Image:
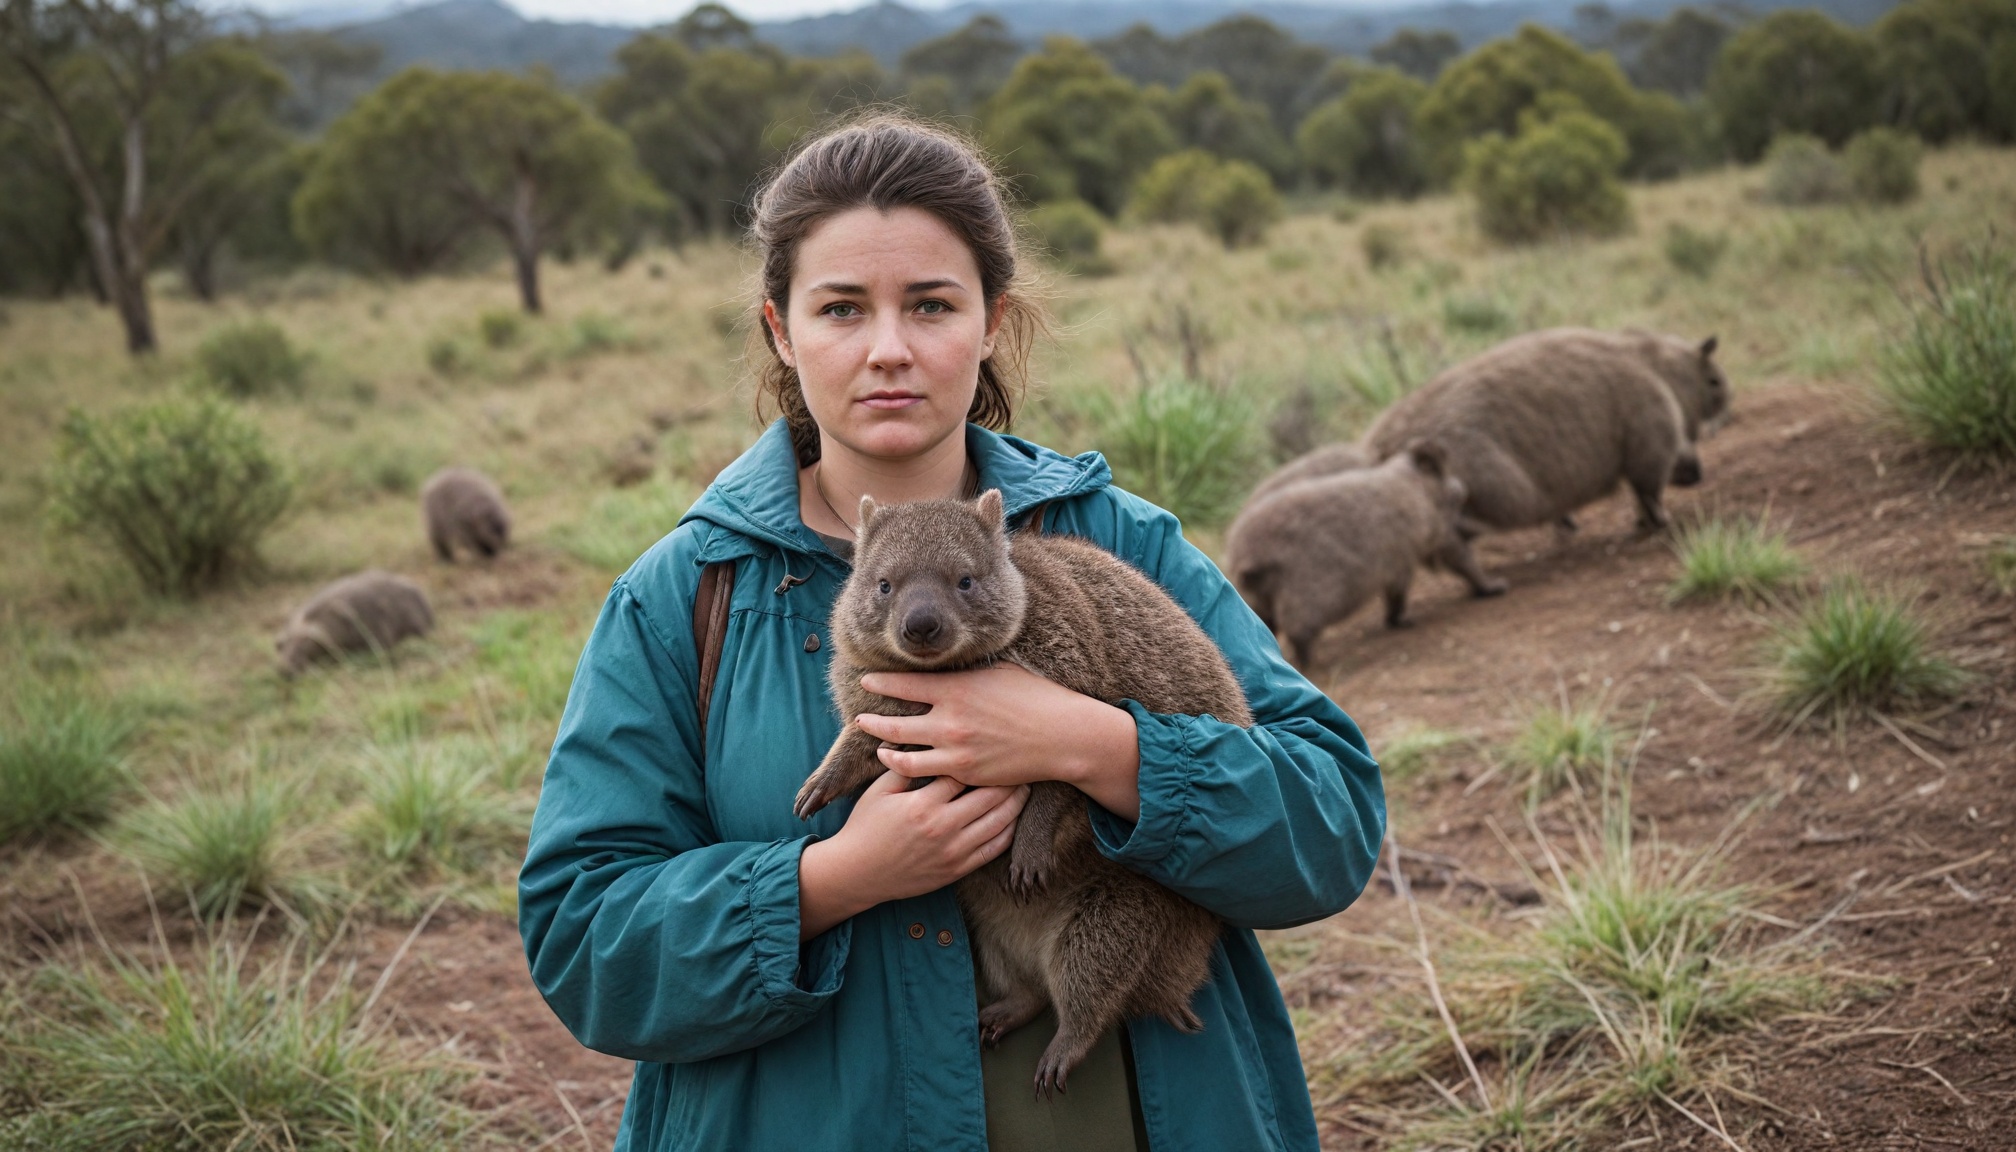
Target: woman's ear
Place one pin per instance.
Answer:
(779, 335)
(995, 315)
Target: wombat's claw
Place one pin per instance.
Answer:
(814, 795)
(1050, 1078)
(1491, 588)
(1025, 883)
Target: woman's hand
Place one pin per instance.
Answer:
(1007, 725)
(899, 843)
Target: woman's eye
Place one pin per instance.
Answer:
(842, 311)
(934, 307)
(883, 587)
(965, 583)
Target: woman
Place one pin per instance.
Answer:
(786, 985)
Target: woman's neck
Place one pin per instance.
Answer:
(841, 477)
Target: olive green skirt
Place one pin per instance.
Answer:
(1101, 1111)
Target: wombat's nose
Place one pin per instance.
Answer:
(1686, 472)
(922, 626)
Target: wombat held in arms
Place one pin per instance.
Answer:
(371, 610)
(940, 585)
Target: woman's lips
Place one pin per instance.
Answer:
(891, 401)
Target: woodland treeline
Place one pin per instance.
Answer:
(143, 136)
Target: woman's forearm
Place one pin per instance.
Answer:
(827, 890)
(1107, 766)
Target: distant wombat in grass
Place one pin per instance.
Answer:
(1310, 554)
(1324, 461)
(1547, 422)
(371, 610)
(939, 586)
(462, 507)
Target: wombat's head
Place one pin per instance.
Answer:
(1430, 462)
(1697, 381)
(300, 645)
(933, 586)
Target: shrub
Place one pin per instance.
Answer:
(446, 357)
(1558, 176)
(1721, 558)
(252, 358)
(1365, 140)
(1952, 379)
(594, 333)
(220, 1054)
(1882, 165)
(1476, 315)
(1563, 745)
(1181, 444)
(1800, 170)
(1230, 199)
(222, 847)
(59, 761)
(1695, 253)
(500, 327)
(1853, 652)
(1383, 244)
(182, 489)
(1070, 231)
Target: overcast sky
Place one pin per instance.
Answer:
(598, 11)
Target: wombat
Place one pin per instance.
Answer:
(1549, 421)
(1324, 461)
(1311, 553)
(462, 507)
(371, 610)
(940, 585)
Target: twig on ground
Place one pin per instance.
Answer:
(1705, 1126)
(1406, 892)
(399, 954)
(1910, 744)
(1932, 1072)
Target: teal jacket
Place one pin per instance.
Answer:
(659, 896)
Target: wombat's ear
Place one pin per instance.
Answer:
(864, 512)
(988, 510)
(1428, 457)
(1708, 346)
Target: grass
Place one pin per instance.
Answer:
(217, 1052)
(222, 847)
(1406, 754)
(1562, 746)
(1184, 445)
(619, 525)
(60, 761)
(1722, 558)
(1951, 379)
(426, 812)
(1852, 652)
(2001, 566)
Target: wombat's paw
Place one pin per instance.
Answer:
(1184, 1020)
(1051, 1072)
(817, 792)
(1025, 881)
(1006, 1015)
(1489, 588)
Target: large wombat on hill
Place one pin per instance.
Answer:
(1549, 421)
(1311, 553)
(939, 586)
(370, 611)
(462, 507)
(1325, 461)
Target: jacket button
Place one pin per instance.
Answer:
(916, 931)
(944, 937)
(812, 642)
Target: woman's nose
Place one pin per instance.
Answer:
(891, 350)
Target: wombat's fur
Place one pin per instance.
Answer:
(462, 507)
(366, 611)
(1312, 553)
(1324, 461)
(1549, 421)
(940, 585)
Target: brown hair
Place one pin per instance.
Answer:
(891, 161)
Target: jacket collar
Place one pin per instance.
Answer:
(756, 498)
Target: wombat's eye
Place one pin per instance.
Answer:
(965, 583)
(883, 587)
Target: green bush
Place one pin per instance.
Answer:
(1365, 140)
(446, 357)
(1951, 380)
(1854, 652)
(1230, 199)
(221, 847)
(500, 327)
(251, 358)
(1383, 244)
(1557, 177)
(1743, 558)
(1882, 165)
(60, 767)
(1800, 170)
(1695, 253)
(1181, 444)
(182, 489)
(1070, 231)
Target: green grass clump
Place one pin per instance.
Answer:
(1882, 165)
(60, 765)
(1852, 652)
(2002, 566)
(1951, 380)
(1694, 252)
(1407, 753)
(1476, 316)
(533, 654)
(1732, 558)
(425, 811)
(1384, 245)
(594, 333)
(1181, 444)
(619, 526)
(500, 327)
(182, 490)
(1563, 745)
(222, 847)
(216, 1053)
(252, 358)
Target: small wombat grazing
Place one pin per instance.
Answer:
(1311, 553)
(371, 610)
(1549, 421)
(939, 586)
(462, 507)
(1324, 461)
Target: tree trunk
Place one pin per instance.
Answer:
(199, 268)
(525, 240)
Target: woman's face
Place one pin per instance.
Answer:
(887, 326)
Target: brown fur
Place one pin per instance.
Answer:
(463, 508)
(1312, 553)
(1550, 421)
(368, 611)
(1324, 461)
(1053, 921)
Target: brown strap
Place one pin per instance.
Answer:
(710, 630)
(1035, 521)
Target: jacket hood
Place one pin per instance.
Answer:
(756, 498)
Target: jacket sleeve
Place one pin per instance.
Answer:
(1268, 827)
(650, 939)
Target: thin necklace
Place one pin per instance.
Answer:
(969, 479)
